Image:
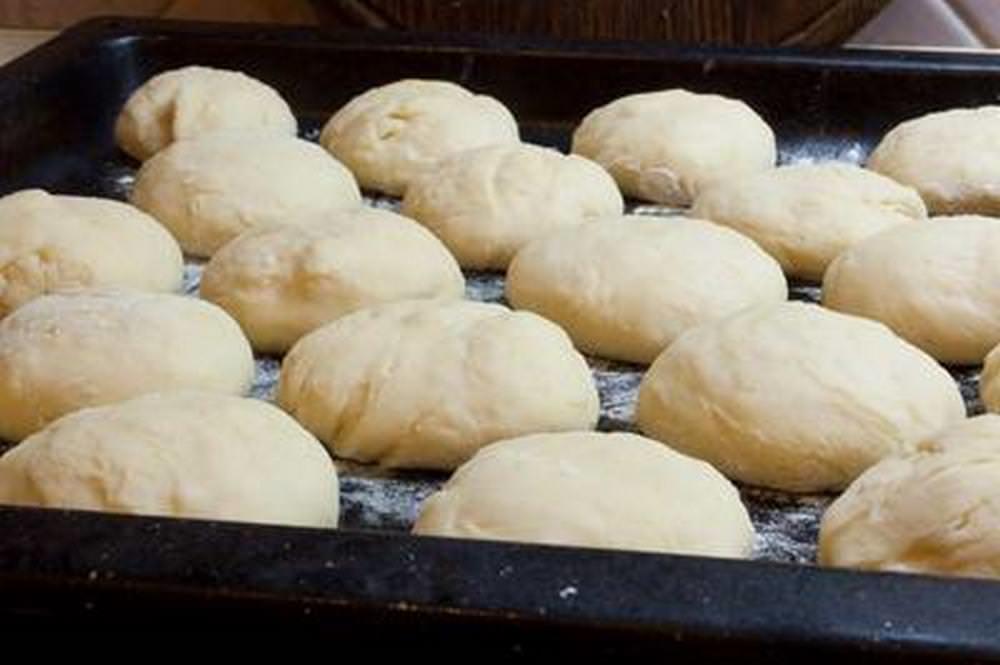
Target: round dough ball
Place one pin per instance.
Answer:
(667, 146)
(392, 133)
(209, 190)
(66, 351)
(981, 433)
(936, 284)
(627, 288)
(58, 242)
(193, 101)
(426, 384)
(487, 203)
(181, 454)
(281, 283)
(794, 396)
(920, 513)
(805, 215)
(590, 489)
(989, 381)
(951, 157)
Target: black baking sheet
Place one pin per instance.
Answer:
(57, 108)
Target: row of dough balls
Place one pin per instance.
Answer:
(487, 203)
(417, 382)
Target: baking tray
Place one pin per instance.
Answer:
(57, 107)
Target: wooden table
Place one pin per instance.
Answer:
(15, 42)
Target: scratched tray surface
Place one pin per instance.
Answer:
(787, 525)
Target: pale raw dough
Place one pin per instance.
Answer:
(981, 433)
(66, 351)
(208, 190)
(794, 396)
(194, 101)
(806, 214)
(927, 512)
(487, 203)
(284, 282)
(989, 381)
(392, 133)
(426, 384)
(626, 288)
(55, 242)
(951, 157)
(667, 146)
(181, 454)
(936, 284)
(590, 489)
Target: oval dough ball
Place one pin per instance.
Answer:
(66, 351)
(920, 513)
(209, 190)
(667, 146)
(284, 282)
(50, 242)
(981, 433)
(425, 384)
(390, 134)
(936, 284)
(989, 381)
(627, 288)
(590, 489)
(794, 396)
(806, 214)
(487, 203)
(194, 101)
(951, 157)
(181, 454)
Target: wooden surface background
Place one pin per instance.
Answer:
(820, 22)
(791, 22)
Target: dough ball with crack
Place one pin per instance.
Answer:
(51, 242)
(425, 384)
(487, 203)
(390, 134)
(281, 283)
(193, 101)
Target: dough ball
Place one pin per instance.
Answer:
(951, 157)
(920, 513)
(392, 133)
(590, 489)
(426, 384)
(66, 351)
(209, 190)
(936, 284)
(989, 381)
(180, 454)
(487, 203)
(193, 101)
(627, 288)
(281, 283)
(794, 396)
(667, 146)
(805, 215)
(58, 242)
(981, 433)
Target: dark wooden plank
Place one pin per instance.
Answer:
(719, 21)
